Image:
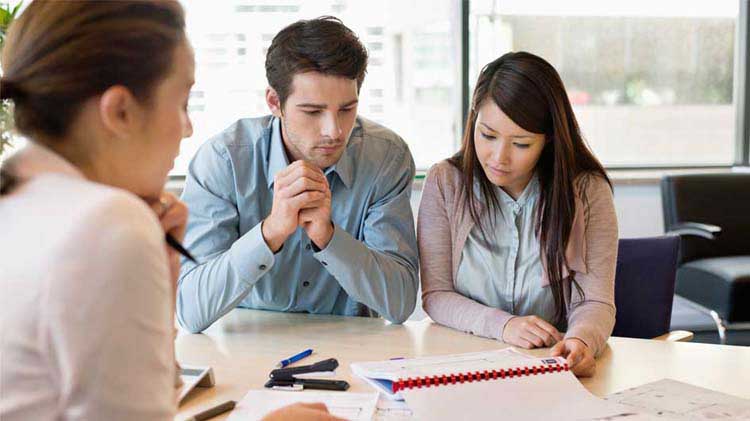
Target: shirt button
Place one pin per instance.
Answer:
(324, 263)
(262, 267)
(306, 284)
(308, 247)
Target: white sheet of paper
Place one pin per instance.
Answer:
(670, 399)
(352, 406)
(391, 410)
(558, 396)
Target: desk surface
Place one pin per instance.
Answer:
(245, 345)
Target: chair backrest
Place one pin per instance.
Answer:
(717, 199)
(644, 285)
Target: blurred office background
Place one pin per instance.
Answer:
(658, 87)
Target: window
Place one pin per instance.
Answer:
(651, 82)
(411, 84)
(374, 46)
(266, 8)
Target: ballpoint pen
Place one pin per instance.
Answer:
(171, 241)
(294, 358)
(180, 249)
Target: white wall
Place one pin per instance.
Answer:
(639, 211)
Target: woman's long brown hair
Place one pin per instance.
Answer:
(529, 91)
(58, 54)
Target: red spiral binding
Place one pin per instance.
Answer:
(419, 382)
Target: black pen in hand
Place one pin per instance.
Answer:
(171, 241)
(179, 248)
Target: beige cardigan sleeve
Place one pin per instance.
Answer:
(439, 297)
(593, 318)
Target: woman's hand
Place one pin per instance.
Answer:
(530, 332)
(579, 356)
(173, 215)
(302, 412)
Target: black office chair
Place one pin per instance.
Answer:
(711, 212)
(644, 288)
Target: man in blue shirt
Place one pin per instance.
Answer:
(306, 210)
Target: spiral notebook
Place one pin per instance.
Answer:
(393, 376)
(478, 385)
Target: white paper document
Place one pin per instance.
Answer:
(558, 396)
(351, 406)
(393, 410)
(669, 399)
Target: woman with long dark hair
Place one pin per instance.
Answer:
(100, 89)
(517, 232)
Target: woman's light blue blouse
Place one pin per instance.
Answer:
(505, 270)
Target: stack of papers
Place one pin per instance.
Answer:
(668, 399)
(351, 406)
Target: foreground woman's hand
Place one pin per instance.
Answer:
(530, 332)
(173, 215)
(302, 412)
(579, 356)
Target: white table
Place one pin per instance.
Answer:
(244, 346)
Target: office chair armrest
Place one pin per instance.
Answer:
(707, 231)
(676, 336)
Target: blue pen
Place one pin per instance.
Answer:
(294, 358)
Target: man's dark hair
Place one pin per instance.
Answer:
(322, 45)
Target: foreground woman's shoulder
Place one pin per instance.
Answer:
(110, 218)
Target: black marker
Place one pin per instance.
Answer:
(180, 249)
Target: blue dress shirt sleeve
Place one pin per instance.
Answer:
(380, 270)
(230, 264)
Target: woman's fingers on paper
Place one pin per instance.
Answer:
(302, 412)
(580, 358)
(318, 406)
(574, 356)
(558, 349)
(585, 368)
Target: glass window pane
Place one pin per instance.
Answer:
(411, 84)
(651, 82)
